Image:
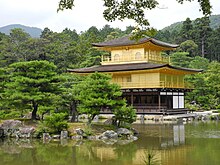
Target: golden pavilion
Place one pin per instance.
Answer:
(147, 79)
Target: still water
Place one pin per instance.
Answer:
(196, 143)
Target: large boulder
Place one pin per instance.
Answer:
(109, 134)
(46, 136)
(79, 131)
(11, 124)
(64, 134)
(11, 127)
(25, 132)
(124, 131)
(14, 128)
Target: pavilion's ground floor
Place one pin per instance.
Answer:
(156, 101)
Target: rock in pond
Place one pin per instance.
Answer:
(25, 132)
(79, 131)
(64, 134)
(46, 136)
(56, 136)
(109, 134)
(124, 131)
(11, 127)
(77, 137)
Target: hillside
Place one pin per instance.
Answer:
(33, 31)
(214, 23)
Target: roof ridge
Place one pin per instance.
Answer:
(126, 41)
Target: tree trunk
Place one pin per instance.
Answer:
(42, 116)
(90, 119)
(203, 47)
(34, 112)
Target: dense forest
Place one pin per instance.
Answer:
(199, 48)
(198, 35)
(66, 49)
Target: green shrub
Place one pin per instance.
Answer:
(41, 129)
(192, 107)
(9, 114)
(88, 131)
(2, 114)
(56, 122)
(124, 116)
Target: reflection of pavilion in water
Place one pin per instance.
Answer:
(166, 140)
(174, 149)
(161, 135)
(177, 139)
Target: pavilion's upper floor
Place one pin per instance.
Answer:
(124, 51)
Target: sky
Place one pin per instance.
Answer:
(87, 13)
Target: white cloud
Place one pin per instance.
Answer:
(87, 13)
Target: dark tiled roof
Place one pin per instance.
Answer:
(185, 69)
(125, 41)
(128, 67)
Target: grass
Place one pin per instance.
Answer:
(100, 128)
(73, 126)
(95, 128)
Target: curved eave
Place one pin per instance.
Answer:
(163, 44)
(135, 67)
(189, 70)
(109, 70)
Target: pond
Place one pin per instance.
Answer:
(196, 143)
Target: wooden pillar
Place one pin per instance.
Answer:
(167, 101)
(132, 98)
(159, 100)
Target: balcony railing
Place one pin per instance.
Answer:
(161, 84)
(129, 59)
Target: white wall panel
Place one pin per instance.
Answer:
(175, 102)
(181, 101)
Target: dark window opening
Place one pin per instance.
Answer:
(163, 100)
(128, 99)
(146, 100)
(136, 100)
